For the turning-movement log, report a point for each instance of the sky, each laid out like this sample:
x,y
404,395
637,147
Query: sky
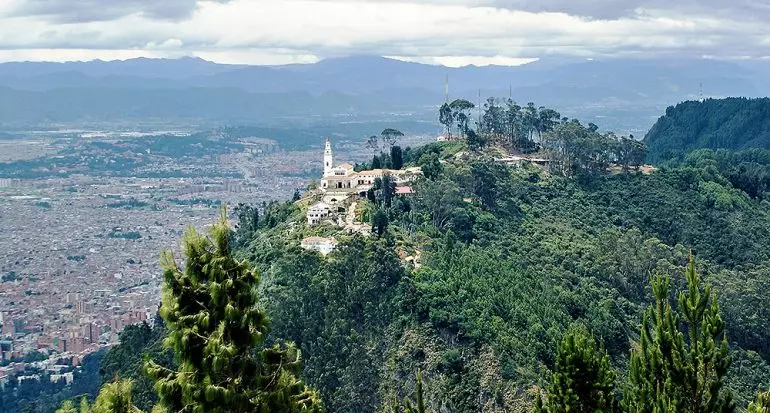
x,y
449,32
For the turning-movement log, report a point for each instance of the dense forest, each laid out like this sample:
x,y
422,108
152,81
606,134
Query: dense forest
x,y
591,283
733,123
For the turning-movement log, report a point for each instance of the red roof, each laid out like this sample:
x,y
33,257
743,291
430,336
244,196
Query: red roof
x,y
404,190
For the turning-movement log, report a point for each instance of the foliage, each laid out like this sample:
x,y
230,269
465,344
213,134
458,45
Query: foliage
x,y
731,123
583,380
214,323
45,396
761,404
670,372
115,398
126,360
480,274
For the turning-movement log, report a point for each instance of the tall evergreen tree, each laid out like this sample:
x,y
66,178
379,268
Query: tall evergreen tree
x,y
583,380
671,372
115,398
411,406
396,157
216,329
376,162
761,404
418,406
67,407
84,406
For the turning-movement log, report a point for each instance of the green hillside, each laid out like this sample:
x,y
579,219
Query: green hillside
x,y
500,284
732,123
487,280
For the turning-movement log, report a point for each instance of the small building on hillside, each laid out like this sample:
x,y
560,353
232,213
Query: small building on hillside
x,y
404,190
519,161
320,244
317,213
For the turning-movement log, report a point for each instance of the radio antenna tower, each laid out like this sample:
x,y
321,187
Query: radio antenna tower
x,y
700,93
479,108
446,89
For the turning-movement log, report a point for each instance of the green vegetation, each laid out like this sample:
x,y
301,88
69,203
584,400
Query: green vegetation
x,y
44,396
583,380
732,123
129,235
127,204
508,288
10,276
670,372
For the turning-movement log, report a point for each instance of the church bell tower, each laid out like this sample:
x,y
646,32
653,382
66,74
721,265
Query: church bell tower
x,y
328,163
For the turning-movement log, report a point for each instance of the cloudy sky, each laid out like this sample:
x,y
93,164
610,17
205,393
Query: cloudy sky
x,y
453,32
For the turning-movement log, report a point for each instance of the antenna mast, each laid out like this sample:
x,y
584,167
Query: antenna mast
x,y
479,108
700,92
446,89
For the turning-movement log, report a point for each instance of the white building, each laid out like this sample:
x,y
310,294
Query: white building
x,y
317,213
320,244
339,182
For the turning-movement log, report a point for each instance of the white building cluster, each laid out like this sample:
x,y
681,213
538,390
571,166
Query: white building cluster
x,y
341,186
341,183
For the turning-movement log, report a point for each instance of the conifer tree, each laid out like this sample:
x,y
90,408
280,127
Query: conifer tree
x,y
115,397
583,380
84,406
671,372
419,404
67,407
761,404
217,330
409,406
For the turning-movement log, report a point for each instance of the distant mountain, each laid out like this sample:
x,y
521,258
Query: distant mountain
x,y
181,68
605,89
733,123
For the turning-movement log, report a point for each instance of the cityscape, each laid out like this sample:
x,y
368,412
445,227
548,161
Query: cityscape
x,y
81,249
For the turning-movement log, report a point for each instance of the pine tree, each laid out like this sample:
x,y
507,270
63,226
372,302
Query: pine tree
x,y
67,407
409,406
418,406
84,406
761,404
673,373
217,329
583,380
115,397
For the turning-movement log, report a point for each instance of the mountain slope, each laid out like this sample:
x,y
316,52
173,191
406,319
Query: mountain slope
x,y
732,123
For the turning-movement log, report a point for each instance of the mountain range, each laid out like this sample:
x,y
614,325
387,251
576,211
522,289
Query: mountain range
x,y
625,94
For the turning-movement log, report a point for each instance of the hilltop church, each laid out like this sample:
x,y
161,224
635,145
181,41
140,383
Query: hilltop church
x,y
341,181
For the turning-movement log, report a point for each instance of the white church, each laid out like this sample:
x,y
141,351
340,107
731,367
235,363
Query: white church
x,y
343,180
341,185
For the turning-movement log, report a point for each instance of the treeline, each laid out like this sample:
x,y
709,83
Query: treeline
x,y
572,149
731,123
511,259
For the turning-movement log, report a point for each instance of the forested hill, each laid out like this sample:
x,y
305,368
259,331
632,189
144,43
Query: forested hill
x,y
511,259
476,276
732,123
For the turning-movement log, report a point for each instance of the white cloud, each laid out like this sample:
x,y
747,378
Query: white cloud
x,y
459,61
454,32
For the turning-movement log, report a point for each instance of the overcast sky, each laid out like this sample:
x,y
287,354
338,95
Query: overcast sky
x,y
453,32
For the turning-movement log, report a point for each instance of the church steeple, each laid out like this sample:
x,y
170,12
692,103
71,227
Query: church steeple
x,y
328,161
